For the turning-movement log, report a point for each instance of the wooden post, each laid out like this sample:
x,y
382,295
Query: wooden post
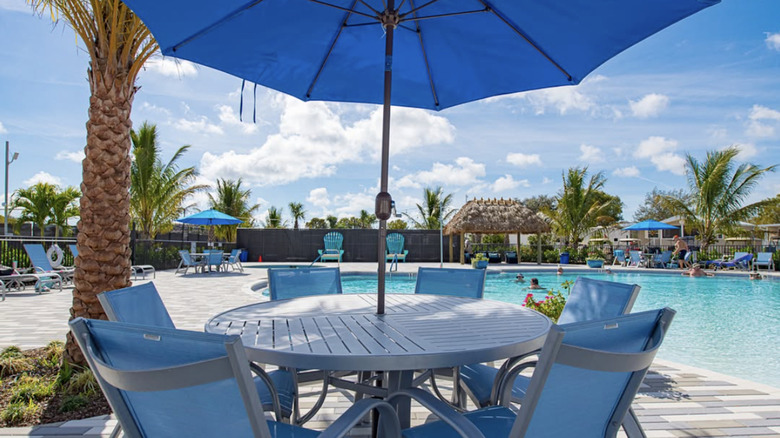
x,y
462,249
539,248
519,258
449,242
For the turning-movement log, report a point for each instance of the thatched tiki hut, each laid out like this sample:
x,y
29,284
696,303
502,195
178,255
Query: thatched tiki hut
x,y
495,216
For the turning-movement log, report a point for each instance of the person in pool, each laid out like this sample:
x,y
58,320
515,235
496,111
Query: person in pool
x,y
696,271
560,270
608,271
535,284
755,276
519,278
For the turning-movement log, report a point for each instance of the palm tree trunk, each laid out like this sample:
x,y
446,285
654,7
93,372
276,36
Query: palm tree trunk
x,y
104,228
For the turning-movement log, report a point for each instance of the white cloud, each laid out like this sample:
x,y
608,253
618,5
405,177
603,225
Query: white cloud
x,y
199,126
591,154
319,197
523,160
2,128
171,67
465,172
760,112
626,172
773,41
350,204
313,141
746,151
152,108
76,157
650,105
44,177
15,5
660,152
546,180
506,182
762,121
562,99
228,117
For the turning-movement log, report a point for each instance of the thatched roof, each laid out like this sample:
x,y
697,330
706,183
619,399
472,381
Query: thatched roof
x,y
495,216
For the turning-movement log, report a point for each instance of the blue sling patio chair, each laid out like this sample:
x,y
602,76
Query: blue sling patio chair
x,y
288,283
333,247
635,259
234,260
663,260
187,262
395,247
589,299
142,305
468,283
740,261
619,256
764,259
588,375
163,382
215,258
41,263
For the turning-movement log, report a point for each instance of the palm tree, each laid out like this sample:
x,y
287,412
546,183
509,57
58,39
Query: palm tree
x,y
431,212
332,221
35,202
64,207
274,218
231,199
157,190
118,44
366,219
298,213
717,192
579,206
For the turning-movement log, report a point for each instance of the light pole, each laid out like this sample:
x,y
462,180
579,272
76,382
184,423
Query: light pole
x,y
7,162
441,232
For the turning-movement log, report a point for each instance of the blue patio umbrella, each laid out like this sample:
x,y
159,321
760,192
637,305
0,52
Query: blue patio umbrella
x,y
211,218
430,54
650,225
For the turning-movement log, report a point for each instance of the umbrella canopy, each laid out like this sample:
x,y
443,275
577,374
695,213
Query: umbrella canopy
x,y
495,216
210,217
649,225
432,54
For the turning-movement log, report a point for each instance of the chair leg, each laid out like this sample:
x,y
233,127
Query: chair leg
x,y
631,425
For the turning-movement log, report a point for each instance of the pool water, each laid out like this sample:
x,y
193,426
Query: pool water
x,y
725,324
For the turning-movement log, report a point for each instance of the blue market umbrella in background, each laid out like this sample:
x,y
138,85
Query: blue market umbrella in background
x,y
431,54
650,225
211,218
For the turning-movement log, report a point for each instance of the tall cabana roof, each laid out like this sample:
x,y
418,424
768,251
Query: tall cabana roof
x,y
495,216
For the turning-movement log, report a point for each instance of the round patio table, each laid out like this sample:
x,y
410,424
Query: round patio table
x,y
343,333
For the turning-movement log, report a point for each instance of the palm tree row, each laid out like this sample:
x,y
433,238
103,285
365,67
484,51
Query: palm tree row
x,y
44,203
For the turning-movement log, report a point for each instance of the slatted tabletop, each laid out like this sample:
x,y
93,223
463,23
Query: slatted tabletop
x,y
342,332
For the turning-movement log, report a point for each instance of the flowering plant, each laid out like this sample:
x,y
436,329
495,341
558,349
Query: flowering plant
x,y
551,306
595,254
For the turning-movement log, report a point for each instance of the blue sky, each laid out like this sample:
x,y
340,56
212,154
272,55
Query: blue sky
x,y
710,81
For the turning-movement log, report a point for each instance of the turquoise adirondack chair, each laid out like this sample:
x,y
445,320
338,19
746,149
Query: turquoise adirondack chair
x,y
332,251
395,247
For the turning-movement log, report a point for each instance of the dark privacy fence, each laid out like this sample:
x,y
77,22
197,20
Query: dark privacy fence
x,y
285,245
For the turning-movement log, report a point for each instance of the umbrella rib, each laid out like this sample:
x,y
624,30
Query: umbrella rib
x,y
526,38
350,11
215,24
425,55
451,14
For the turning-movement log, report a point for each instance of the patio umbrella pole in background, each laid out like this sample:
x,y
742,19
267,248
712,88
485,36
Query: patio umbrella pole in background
x,y
384,202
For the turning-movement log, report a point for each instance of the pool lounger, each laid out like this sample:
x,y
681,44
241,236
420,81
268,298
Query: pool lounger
x,y
143,270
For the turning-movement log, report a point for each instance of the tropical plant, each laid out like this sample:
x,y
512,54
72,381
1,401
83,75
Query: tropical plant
x,y
332,221
350,222
769,213
366,219
64,207
397,224
118,44
297,212
35,202
653,208
540,202
273,218
434,210
317,223
717,189
157,189
232,200
579,204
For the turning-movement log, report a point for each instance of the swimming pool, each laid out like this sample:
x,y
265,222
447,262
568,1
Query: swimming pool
x,y
725,324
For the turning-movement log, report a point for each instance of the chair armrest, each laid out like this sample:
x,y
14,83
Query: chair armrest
x,y
389,426
458,422
277,407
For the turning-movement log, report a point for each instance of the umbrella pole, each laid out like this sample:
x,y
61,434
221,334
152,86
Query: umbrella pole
x,y
390,20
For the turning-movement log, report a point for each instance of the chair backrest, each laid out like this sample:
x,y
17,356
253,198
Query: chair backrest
x,y
37,256
635,256
333,240
234,255
395,243
136,305
666,257
588,374
620,255
739,256
592,299
285,283
73,250
764,257
186,258
468,283
215,256
167,382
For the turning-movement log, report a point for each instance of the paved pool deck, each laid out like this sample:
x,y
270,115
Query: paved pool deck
x,y
675,400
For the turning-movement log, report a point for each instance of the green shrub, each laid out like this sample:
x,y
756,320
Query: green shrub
x,y
83,382
20,412
29,388
73,402
12,351
53,354
13,362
